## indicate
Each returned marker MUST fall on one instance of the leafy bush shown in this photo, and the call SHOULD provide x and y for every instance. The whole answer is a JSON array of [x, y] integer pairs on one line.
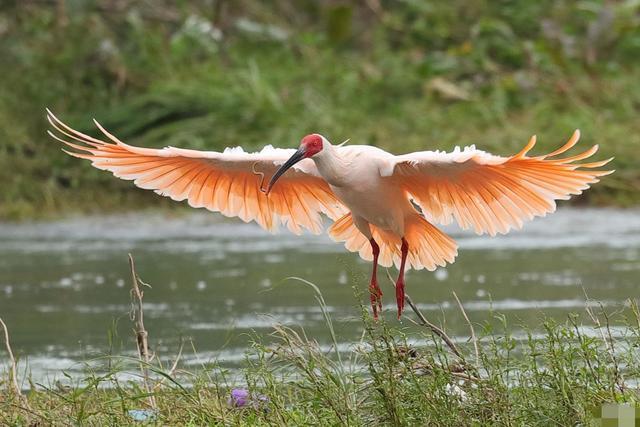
[[401, 75]]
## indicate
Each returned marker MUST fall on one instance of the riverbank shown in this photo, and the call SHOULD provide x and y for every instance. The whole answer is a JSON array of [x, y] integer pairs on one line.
[[560, 375]]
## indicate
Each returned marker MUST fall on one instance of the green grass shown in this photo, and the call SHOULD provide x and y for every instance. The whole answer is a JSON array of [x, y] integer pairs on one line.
[[373, 75], [556, 375]]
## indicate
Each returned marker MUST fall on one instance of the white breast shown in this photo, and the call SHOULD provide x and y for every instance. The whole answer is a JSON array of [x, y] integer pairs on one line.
[[354, 174]]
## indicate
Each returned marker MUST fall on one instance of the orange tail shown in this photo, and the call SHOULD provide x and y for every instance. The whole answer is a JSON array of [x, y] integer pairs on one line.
[[428, 246]]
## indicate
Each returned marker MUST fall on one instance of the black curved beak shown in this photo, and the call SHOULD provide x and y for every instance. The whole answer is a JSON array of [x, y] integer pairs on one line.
[[297, 156]]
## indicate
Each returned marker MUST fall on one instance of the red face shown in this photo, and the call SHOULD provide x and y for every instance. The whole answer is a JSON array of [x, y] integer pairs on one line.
[[309, 146], [312, 144]]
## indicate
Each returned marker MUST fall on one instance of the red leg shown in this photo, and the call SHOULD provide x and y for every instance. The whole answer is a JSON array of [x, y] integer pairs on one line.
[[374, 290], [400, 282]]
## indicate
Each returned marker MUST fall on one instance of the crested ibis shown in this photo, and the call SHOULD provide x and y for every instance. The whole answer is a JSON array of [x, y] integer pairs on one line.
[[383, 206]]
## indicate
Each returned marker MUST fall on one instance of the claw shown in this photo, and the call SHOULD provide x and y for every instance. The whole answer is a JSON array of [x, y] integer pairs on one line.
[[374, 303], [400, 282], [400, 297], [375, 296], [375, 293]]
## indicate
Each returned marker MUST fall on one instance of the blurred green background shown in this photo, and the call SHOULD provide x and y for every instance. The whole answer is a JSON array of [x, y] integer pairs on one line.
[[402, 75]]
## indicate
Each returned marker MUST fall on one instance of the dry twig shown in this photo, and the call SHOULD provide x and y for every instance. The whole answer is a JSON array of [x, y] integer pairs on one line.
[[424, 322], [137, 316], [473, 332], [173, 368], [13, 376]]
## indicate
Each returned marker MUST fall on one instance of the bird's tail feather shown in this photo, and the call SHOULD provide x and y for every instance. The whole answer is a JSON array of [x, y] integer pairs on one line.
[[428, 246]]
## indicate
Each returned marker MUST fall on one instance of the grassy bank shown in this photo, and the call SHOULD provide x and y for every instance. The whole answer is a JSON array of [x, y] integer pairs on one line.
[[558, 374], [411, 76], [555, 378]]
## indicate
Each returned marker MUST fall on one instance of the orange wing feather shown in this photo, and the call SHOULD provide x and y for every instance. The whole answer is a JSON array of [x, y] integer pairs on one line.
[[493, 194], [428, 246], [221, 182]]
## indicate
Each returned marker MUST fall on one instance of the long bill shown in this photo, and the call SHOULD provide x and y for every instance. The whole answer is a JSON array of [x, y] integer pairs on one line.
[[297, 156]]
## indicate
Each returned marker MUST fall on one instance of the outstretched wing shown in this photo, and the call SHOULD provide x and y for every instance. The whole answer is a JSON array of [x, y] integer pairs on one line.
[[227, 182], [490, 193]]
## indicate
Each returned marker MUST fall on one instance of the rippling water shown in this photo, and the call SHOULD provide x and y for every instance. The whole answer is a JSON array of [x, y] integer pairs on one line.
[[64, 284]]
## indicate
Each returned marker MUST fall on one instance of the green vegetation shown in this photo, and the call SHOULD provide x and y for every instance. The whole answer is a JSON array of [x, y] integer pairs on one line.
[[393, 376], [401, 75]]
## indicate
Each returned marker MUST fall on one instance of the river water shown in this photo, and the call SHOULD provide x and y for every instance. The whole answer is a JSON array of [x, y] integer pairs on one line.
[[65, 285]]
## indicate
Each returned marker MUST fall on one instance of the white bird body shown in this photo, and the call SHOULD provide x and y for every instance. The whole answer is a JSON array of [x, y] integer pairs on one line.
[[354, 174], [367, 192]]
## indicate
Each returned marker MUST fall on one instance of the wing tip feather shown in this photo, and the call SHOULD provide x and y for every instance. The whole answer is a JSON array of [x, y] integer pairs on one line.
[[527, 148]]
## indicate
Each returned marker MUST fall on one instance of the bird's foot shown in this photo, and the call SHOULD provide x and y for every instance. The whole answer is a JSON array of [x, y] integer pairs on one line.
[[400, 296], [375, 295]]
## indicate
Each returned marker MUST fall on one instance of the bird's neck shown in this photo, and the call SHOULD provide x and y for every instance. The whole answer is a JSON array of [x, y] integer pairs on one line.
[[331, 165]]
